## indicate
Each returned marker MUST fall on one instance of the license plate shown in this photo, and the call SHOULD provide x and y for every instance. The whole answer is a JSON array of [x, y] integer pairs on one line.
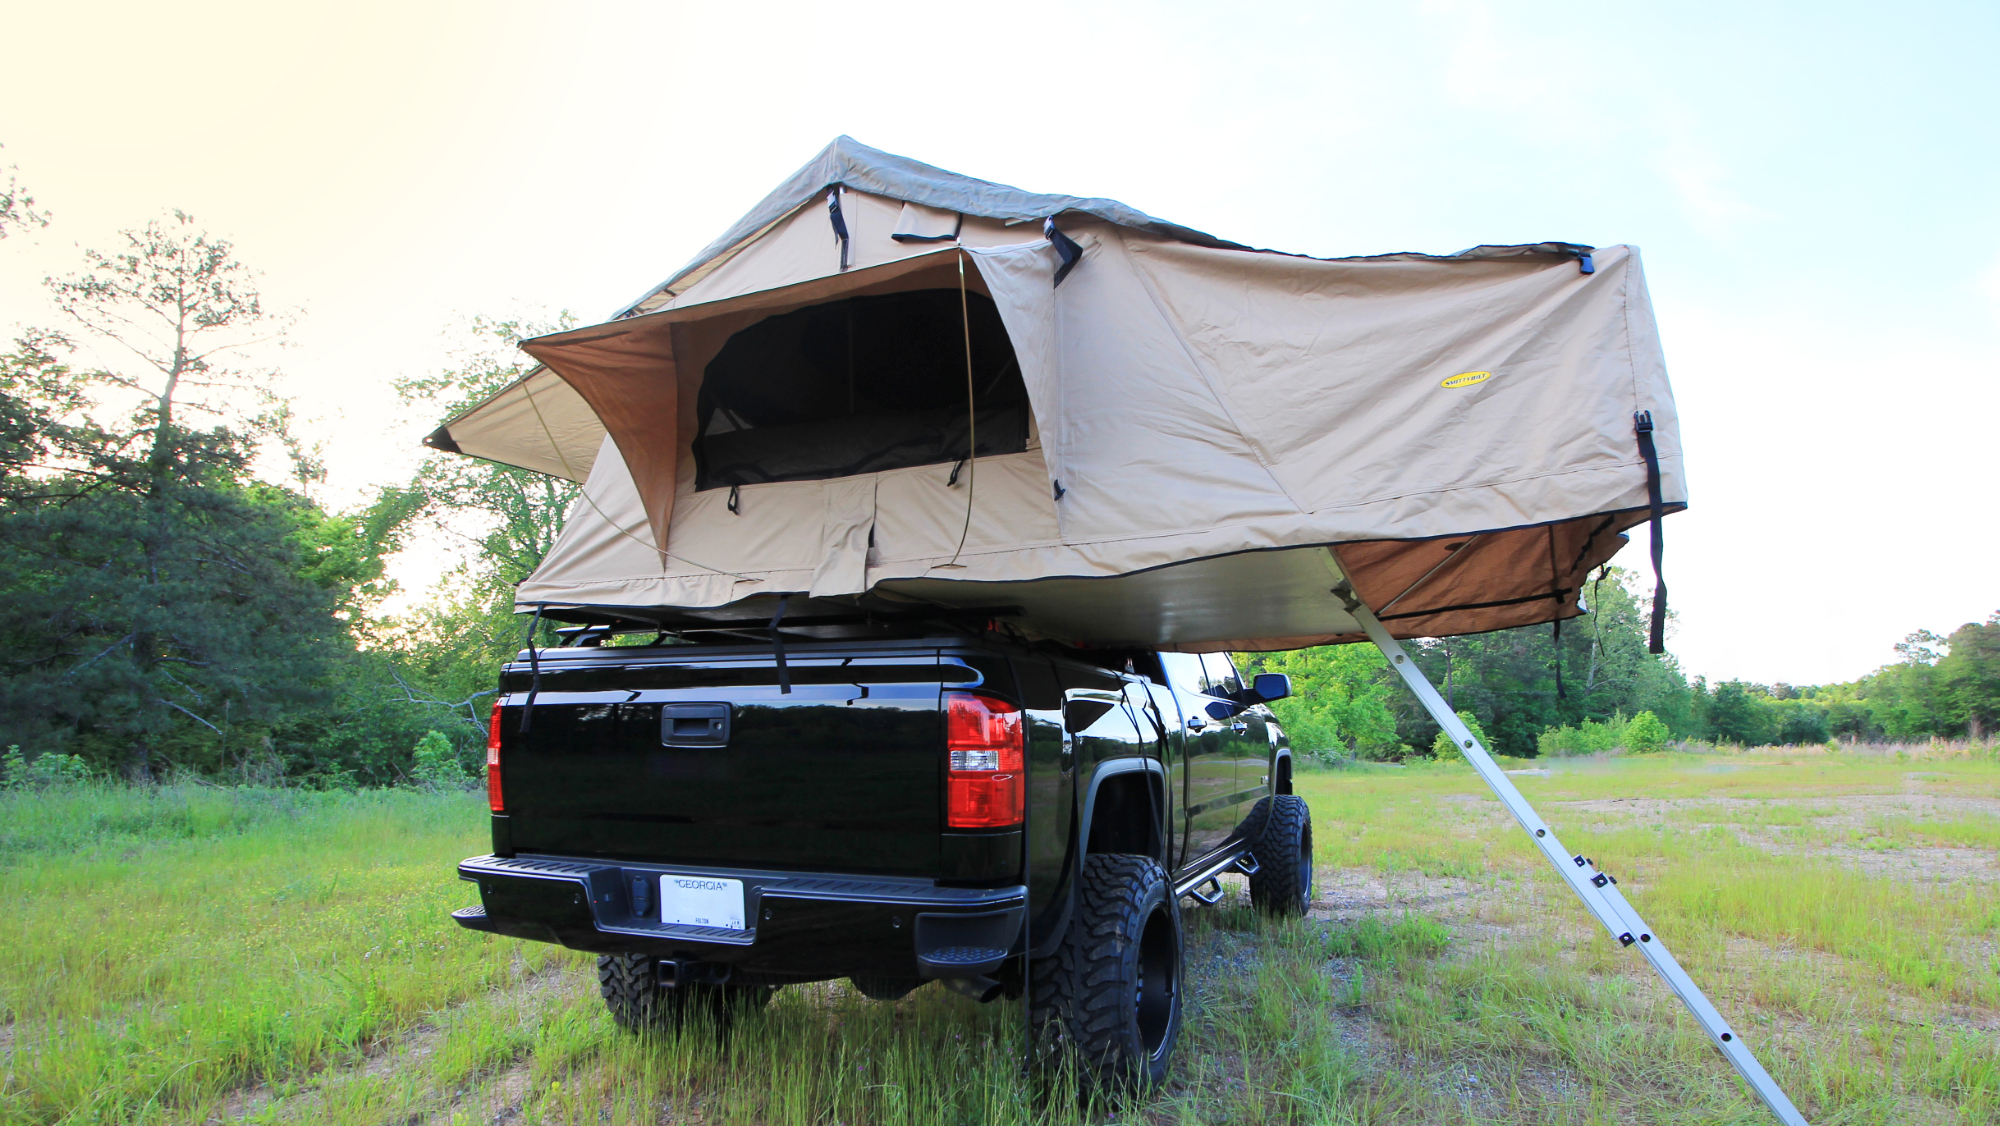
[[702, 901]]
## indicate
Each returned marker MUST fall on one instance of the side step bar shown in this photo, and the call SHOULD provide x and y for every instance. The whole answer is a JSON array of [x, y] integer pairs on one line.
[[1598, 891], [1237, 859]]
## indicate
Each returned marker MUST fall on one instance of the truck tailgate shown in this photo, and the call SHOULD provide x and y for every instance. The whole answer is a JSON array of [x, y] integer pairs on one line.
[[705, 761]]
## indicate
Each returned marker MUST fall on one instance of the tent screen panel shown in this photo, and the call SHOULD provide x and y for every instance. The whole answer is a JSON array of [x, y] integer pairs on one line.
[[859, 386]]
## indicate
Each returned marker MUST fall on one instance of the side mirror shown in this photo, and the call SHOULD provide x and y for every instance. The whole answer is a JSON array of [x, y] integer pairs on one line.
[[1222, 710], [1272, 686]]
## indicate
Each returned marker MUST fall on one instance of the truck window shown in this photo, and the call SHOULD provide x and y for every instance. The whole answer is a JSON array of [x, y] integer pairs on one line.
[[1222, 678], [1185, 674]]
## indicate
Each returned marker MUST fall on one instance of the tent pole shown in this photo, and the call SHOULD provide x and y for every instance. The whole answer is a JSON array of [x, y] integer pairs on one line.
[[1598, 891]]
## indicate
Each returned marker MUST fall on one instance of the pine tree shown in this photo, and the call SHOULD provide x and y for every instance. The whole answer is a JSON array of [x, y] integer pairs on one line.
[[159, 601]]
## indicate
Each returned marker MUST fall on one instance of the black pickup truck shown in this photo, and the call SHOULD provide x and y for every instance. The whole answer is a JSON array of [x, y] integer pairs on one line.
[[717, 821]]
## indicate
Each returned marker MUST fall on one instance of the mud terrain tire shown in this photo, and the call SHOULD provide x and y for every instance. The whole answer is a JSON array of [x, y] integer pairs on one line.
[[1114, 984], [639, 1003], [1282, 844]]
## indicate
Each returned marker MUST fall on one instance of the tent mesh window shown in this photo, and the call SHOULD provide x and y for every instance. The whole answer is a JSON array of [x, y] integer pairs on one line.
[[858, 386]]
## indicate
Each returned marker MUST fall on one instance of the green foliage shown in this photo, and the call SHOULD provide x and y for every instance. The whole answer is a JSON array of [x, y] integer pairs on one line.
[[52, 768], [1444, 750], [1508, 678], [1346, 700], [436, 665], [1944, 687], [1590, 737], [434, 764], [1646, 734], [1735, 714], [1969, 677], [165, 607], [1641, 734], [1338, 703], [159, 602]]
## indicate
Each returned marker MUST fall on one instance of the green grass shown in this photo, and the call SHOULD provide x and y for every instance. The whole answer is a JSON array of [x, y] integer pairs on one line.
[[167, 946], [187, 954], [1872, 996]]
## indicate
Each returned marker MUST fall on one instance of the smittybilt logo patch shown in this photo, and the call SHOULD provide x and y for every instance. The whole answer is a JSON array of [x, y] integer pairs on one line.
[[1467, 379]]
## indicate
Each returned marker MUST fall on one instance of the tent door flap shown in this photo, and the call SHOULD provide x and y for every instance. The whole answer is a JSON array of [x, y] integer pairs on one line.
[[850, 524]]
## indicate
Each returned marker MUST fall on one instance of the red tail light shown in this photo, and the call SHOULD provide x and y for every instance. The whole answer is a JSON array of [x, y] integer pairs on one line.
[[493, 763], [982, 738]]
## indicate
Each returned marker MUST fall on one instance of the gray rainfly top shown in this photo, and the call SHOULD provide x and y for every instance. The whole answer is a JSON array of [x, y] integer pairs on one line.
[[891, 389]]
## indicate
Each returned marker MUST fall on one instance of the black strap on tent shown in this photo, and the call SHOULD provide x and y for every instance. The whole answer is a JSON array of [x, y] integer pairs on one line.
[[534, 663], [839, 222], [735, 501], [778, 647], [1642, 424], [1066, 249]]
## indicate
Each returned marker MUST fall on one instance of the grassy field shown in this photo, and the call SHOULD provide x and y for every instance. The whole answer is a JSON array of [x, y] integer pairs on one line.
[[190, 955]]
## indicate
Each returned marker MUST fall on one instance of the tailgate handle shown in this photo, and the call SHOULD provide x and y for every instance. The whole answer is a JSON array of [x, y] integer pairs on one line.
[[694, 725]]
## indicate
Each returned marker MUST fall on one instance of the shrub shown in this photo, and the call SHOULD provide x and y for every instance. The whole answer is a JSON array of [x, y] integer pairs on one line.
[[50, 768], [434, 764], [1444, 750], [1591, 737], [1645, 734]]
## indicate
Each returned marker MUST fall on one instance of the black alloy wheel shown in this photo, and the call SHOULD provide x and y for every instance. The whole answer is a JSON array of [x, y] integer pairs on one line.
[[1113, 988], [1283, 846], [631, 988]]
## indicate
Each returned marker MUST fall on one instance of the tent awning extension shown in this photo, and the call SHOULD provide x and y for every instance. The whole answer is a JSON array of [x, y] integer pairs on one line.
[[1204, 439]]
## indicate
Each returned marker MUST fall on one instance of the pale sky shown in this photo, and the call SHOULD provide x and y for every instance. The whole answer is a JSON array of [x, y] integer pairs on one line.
[[1814, 187]]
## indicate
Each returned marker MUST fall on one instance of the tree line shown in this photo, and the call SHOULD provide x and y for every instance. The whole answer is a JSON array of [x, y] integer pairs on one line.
[[1538, 690], [175, 598]]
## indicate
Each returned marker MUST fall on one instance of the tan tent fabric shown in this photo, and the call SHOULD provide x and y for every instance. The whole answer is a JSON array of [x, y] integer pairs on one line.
[[628, 379], [1210, 421], [538, 422], [802, 247]]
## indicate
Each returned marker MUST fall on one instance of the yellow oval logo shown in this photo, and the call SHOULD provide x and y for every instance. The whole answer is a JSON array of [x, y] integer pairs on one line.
[[1467, 379]]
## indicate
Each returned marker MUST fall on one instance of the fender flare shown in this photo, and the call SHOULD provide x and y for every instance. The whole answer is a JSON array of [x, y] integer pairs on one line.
[[1110, 768]]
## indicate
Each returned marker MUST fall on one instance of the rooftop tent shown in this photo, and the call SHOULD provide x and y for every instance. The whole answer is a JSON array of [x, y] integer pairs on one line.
[[892, 388]]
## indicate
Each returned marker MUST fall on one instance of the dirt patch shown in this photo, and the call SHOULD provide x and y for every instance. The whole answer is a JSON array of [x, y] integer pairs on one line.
[[1787, 827], [508, 1091], [1346, 894]]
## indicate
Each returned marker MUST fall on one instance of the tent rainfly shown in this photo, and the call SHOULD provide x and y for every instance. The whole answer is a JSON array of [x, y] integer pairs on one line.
[[894, 389]]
